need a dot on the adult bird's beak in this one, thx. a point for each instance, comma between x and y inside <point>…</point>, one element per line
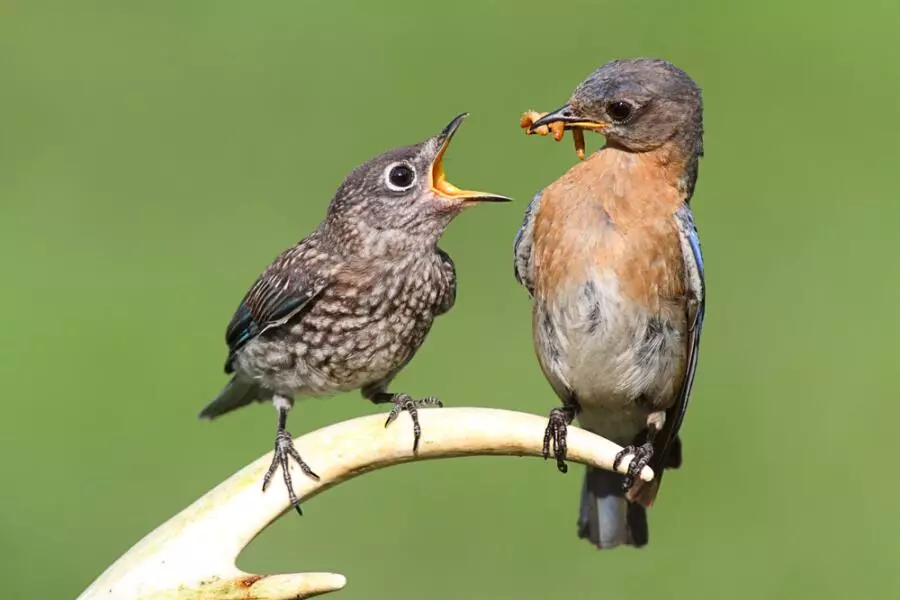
<point>571,118</point>
<point>439,183</point>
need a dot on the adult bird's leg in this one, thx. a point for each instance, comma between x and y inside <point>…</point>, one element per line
<point>377,395</point>
<point>284,451</point>
<point>642,453</point>
<point>557,429</point>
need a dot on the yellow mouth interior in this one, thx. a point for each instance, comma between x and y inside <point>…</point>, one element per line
<point>439,181</point>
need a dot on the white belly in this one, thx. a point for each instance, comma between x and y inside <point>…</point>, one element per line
<point>620,361</point>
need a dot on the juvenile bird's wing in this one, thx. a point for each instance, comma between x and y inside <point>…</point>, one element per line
<point>522,246</point>
<point>695,287</point>
<point>449,298</point>
<point>288,286</point>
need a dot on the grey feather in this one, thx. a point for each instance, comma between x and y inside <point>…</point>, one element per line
<point>235,394</point>
<point>522,246</point>
<point>606,518</point>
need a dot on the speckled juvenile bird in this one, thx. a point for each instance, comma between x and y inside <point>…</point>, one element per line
<point>348,306</point>
<point>611,257</point>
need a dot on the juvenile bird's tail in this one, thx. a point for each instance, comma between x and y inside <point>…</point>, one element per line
<point>606,518</point>
<point>235,394</point>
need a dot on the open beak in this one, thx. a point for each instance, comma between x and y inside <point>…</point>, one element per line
<point>571,118</point>
<point>439,183</point>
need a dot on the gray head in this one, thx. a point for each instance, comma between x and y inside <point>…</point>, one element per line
<point>402,193</point>
<point>637,104</point>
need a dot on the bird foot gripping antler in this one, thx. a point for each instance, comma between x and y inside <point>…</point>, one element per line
<point>192,556</point>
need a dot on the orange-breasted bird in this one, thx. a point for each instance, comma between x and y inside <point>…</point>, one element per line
<point>610,256</point>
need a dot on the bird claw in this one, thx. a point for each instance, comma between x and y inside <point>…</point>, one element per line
<point>284,451</point>
<point>642,455</point>
<point>557,429</point>
<point>558,129</point>
<point>405,402</point>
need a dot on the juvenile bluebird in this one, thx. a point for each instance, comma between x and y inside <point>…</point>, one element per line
<point>348,306</point>
<point>611,259</point>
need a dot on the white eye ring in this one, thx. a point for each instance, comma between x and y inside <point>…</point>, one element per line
<point>400,176</point>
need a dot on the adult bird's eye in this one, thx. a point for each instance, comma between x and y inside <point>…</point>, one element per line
<point>400,177</point>
<point>619,110</point>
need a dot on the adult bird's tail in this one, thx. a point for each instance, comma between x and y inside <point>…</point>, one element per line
<point>235,394</point>
<point>607,519</point>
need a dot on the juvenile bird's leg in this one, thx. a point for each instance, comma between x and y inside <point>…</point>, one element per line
<point>557,428</point>
<point>644,452</point>
<point>284,449</point>
<point>377,395</point>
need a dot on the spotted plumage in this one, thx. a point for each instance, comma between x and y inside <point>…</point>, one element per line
<point>347,307</point>
<point>359,322</point>
<point>611,258</point>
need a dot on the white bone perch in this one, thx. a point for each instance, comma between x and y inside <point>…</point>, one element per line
<point>192,556</point>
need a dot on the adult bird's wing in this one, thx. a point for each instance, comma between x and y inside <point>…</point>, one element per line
<point>695,288</point>
<point>288,286</point>
<point>522,246</point>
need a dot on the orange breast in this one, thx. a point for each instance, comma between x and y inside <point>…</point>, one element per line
<point>614,211</point>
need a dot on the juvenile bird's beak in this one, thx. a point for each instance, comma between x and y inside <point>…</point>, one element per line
<point>571,118</point>
<point>439,183</point>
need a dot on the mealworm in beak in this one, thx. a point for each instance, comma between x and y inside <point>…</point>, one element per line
<point>529,117</point>
<point>578,138</point>
<point>558,129</point>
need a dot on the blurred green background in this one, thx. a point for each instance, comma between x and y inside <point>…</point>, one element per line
<point>155,156</point>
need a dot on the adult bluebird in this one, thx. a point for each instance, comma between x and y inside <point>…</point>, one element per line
<point>348,306</point>
<point>610,255</point>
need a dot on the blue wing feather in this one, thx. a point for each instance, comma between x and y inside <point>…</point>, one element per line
<point>241,328</point>
<point>244,326</point>
<point>696,290</point>
<point>282,291</point>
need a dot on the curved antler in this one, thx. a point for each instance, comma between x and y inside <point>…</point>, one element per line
<point>192,556</point>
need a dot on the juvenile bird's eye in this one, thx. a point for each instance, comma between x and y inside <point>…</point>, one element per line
<point>400,177</point>
<point>619,110</point>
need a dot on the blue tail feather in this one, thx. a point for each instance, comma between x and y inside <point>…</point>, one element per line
<point>607,519</point>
